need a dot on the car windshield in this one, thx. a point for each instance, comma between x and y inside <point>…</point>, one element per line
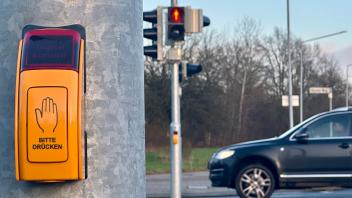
<point>298,126</point>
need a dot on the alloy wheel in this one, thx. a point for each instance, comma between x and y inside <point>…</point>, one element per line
<point>255,183</point>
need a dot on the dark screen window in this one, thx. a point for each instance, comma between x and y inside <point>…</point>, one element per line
<point>50,52</point>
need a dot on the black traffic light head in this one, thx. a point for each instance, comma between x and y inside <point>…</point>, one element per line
<point>151,16</point>
<point>176,24</point>
<point>193,69</point>
<point>154,33</point>
<point>206,21</point>
<point>151,51</point>
<point>188,70</point>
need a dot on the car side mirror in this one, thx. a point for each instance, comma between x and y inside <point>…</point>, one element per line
<point>302,135</point>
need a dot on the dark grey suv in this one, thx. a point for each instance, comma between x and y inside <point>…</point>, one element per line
<point>316,152</point>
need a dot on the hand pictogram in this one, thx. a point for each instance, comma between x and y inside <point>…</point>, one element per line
<point>47,116</point>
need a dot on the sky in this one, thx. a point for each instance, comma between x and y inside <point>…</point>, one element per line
<point>308,18</point>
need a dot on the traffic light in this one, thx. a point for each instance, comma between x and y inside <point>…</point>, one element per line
<point>188,70</point>
<point>176,24</point>
<point>195,20</point>
<point>193,69</point>
<point>155,33</point>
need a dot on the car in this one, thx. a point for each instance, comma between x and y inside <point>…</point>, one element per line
<point>316,152</point>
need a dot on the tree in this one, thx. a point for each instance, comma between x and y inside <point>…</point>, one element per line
<point>237,96</point>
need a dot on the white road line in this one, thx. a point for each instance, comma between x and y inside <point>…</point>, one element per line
<point>198,187</point>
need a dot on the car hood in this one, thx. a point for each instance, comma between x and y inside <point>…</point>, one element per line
<point>251,143</point>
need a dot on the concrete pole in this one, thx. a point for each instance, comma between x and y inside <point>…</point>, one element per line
<point>114,100</point>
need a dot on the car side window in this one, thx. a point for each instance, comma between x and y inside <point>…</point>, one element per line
<point>330,126</point>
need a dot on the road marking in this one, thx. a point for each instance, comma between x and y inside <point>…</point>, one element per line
<point>326,192</point>
<point>198,187</point>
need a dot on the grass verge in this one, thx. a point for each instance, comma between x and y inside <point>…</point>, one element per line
<point>158,161</point>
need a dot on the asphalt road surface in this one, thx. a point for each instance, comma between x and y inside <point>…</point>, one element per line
<point>198,185</point>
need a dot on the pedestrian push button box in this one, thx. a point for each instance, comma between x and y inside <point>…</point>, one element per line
<point>50,142</point>
<point>47,114</point>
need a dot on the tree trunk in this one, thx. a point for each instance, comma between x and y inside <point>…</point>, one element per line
<point>114,100</point>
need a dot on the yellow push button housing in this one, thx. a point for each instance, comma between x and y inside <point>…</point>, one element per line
<point>50,141</point>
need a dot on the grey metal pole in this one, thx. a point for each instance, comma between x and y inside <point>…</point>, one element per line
<point>301,90</point>
<point>173,3</point>
<point>289,66</point>
<point>347,83</point>
<point>347,86</point>
<point>325,36</point>
<point>175,135</point>
<point>175,129</point>
<point>330,100</point>
<point>114,99</point>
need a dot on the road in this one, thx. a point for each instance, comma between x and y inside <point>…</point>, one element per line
<point>198,185</point>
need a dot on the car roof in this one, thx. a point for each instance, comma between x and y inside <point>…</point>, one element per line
<point>349,108</point>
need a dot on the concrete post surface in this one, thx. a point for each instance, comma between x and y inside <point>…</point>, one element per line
<point>114,100</point>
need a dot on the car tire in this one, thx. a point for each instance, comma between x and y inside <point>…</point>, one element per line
<point>255,181</point>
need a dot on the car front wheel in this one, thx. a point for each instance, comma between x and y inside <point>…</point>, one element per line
<point>255,181</point>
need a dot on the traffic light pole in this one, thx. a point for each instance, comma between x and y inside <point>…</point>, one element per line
<point>175,134</point>
<point>173,3</point>
<point>175,126</point>
<point>180,21</point>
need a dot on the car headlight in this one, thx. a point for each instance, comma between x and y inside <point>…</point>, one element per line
<point>224,154</point>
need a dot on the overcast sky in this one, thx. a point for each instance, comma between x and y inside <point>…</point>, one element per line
<point>309,18</point>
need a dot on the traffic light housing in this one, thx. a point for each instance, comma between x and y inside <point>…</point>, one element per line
<point>195,20</point>
<point>176,24</point>
<point>193,69</point>
<point>155,34</point>
<point>188,70</point>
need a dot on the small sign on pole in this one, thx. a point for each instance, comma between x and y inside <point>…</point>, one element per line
<point>320,90</point>
<point>295,101</point>
<point>323,90</point>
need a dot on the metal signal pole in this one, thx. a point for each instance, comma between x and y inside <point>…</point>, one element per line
<point>175,135</point>
<point>347,91</point>
<point>175,125</point>
<point>181,20</point>
<point>289,66</point>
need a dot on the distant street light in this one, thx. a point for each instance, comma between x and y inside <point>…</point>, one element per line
<point>347,93</point>
<point>301,69</point>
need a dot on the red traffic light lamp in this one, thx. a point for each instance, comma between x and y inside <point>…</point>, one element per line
<point>176,24</point>
<point>176,15</point>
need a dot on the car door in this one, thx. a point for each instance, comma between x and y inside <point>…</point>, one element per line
<point>326,151</point>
